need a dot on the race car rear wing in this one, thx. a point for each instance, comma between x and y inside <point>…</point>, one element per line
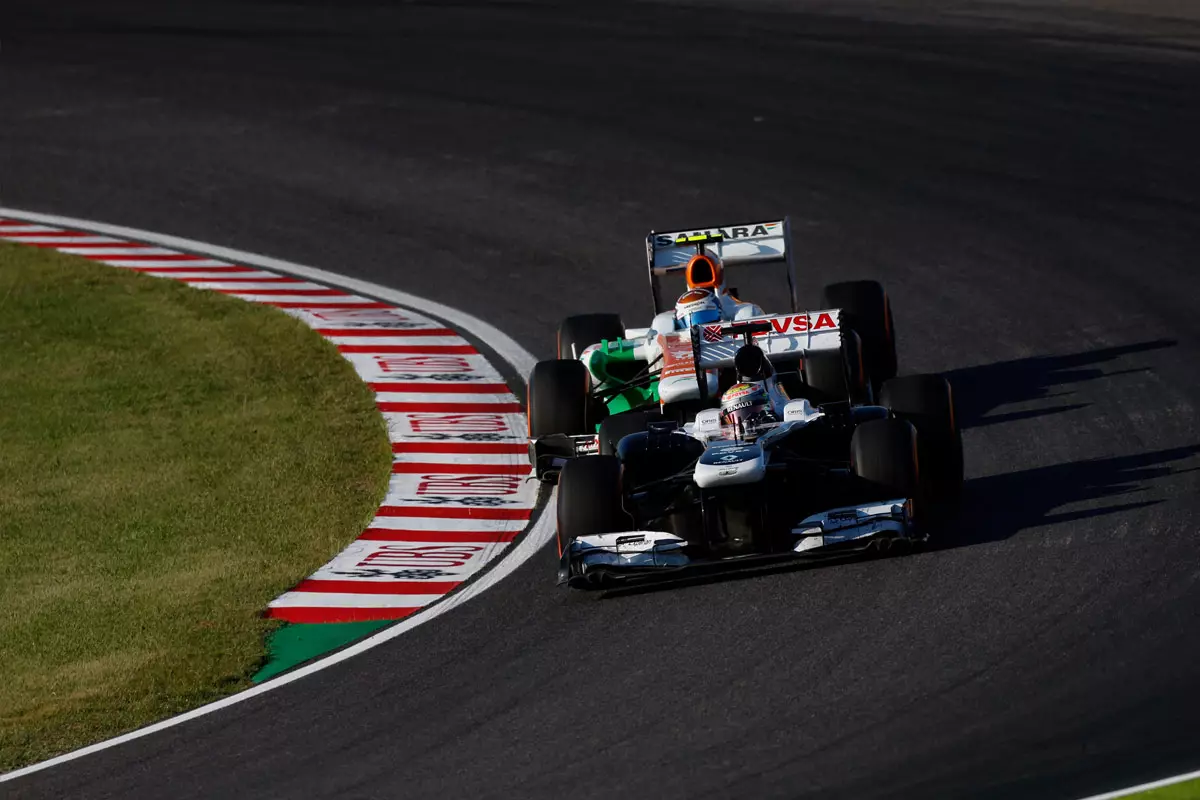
<point>687,354</point>
<point>750,243</point>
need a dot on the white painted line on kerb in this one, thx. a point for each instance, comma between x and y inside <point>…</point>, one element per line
<point>1146,787</point>
<point>518,357</point>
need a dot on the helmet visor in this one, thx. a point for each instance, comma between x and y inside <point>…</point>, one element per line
<point>702,317</point>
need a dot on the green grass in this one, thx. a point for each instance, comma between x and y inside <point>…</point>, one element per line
<point>1188,790</point>
<point>170,461</point>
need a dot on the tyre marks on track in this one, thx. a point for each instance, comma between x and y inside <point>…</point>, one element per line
<point>459,491</point>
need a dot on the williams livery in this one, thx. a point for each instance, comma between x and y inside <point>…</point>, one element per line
<point>723,436</point>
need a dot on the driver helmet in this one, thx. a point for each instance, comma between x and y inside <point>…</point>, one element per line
<point>705,271</point>
<point>746,411</point>
<point>697,307</point>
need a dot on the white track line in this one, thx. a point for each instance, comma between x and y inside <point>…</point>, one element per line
<point>517,356</point>
<point>1146,787</point>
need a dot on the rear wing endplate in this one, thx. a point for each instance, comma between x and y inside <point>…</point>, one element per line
<point>735,245</point>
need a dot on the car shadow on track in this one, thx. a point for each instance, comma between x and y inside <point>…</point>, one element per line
<point>1000,506</point>
<point>982,389</point>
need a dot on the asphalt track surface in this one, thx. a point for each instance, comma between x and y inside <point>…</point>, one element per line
<point>1024,180</point>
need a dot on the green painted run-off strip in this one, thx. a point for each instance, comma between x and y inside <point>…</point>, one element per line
<point>292,645</point>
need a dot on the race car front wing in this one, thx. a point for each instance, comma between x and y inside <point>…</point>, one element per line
<point>606,560</point>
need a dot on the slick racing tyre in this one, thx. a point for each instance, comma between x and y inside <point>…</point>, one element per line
<point>615,428</point>
<point>837,377</point>
<point>883,453</point>
<point>866,308</point>
<point>928,403</point>
<point>589,499</point>
<point>559,399</point>
<point>577,333</point>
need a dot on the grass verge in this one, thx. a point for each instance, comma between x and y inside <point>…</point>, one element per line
<point>1187,790</point>
<point>170,461</point>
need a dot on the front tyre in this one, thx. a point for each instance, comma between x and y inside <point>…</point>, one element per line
<point>928,403</point>
<point>883,454</point>
<point>589,499</point>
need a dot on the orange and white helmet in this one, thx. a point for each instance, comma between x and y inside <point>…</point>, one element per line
<point>705,271</point>
<point>697,307</point>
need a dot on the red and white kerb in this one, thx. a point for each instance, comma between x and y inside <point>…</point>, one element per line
<point>458,494</point>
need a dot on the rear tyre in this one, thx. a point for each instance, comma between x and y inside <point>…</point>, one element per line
<point>589,499</point>
<point>559,399</point>
<point>866,308</point>
<point>837,377</point>
<point>615,428</point>
<point>883,453</point>
<point>928,403</point>
<point>577,333</point>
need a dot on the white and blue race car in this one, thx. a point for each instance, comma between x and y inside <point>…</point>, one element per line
<point>763,475</point>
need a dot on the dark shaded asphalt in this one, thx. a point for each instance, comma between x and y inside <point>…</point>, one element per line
<point>1026,190</point>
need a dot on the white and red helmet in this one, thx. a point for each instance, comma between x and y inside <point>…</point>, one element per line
<point>746,411</point>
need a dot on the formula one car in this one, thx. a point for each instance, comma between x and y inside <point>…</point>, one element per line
<point>579,404</point>
<point>613,354</point>
<point>763,478</point>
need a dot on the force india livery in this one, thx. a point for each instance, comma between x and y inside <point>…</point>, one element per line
<point>722,436</point>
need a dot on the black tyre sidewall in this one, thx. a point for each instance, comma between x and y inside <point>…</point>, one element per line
<point>867,309</point>
<point>584,330</point>
<point>589,499</point>
<point>927,402</point>
<point>558,399</point>
<point>883,454</point>
<point>836,377</point>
